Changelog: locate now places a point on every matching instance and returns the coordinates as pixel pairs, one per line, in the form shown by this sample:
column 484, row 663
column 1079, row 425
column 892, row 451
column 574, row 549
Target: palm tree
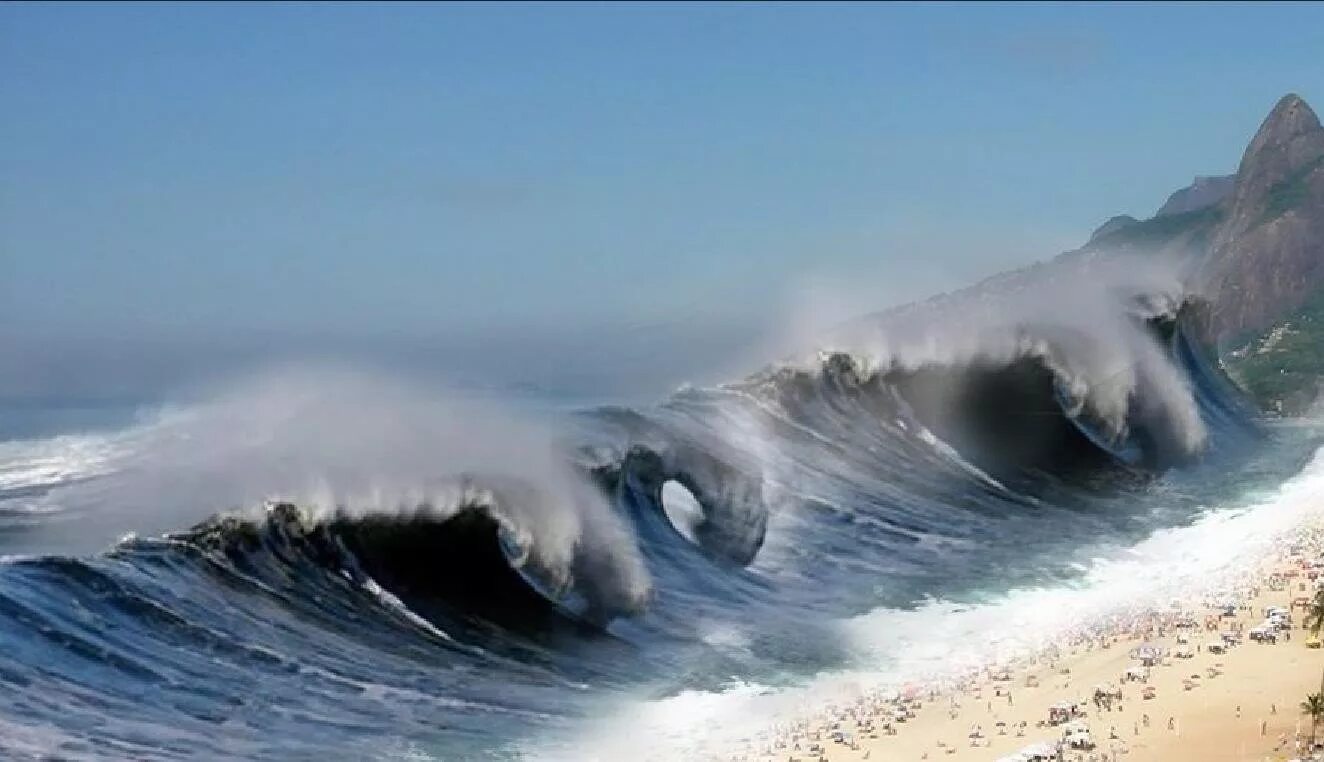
column 1313, row 706
column 1315, row 615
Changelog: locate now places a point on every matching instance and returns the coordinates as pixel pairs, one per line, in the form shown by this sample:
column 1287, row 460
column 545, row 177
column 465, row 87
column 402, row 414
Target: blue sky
column 408, row 169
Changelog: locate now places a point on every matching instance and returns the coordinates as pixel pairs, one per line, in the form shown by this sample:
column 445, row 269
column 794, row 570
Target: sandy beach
column 1241, row 703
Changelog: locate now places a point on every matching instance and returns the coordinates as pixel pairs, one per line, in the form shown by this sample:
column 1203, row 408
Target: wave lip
column 444, row 553
column 942, row 641
column 1053, row 398
column 461, row 563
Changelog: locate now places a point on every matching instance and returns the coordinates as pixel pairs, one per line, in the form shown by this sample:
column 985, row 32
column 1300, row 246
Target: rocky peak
column 1267, row 257
column 1290, row 139
column 1288, row 134
column 1112, row 225
column 1201, row 194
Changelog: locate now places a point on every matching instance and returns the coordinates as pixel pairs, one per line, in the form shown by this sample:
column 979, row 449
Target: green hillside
column 1282, row 367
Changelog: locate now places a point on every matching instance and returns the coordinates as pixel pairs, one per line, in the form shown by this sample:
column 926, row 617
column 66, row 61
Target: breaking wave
column 383, row 562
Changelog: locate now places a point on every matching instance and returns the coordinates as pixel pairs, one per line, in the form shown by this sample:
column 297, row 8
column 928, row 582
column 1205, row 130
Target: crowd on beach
column 1078, row 726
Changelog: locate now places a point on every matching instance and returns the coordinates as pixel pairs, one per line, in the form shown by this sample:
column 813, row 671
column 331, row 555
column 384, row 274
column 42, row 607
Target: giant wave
column 383, row 564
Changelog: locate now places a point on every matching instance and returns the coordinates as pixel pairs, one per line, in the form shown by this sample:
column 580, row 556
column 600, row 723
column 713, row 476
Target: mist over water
column 572, row 365
column 939, row 640
column 439, row 382
column 405, row 567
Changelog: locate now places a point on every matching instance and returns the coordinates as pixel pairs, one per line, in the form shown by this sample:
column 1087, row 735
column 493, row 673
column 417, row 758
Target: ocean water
column 938, row 641
column 322, row 563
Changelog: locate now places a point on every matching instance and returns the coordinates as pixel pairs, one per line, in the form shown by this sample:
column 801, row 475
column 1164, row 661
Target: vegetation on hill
column 1157, row 231
column 1282, row 367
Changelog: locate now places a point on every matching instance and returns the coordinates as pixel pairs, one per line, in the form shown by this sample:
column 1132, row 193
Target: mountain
column 1112, row 225
column 1201, row 194
column 1251, row 244
column 1267, row 258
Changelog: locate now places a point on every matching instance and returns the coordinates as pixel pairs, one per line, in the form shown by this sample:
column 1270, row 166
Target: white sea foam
column 329, row 438
column 942, row 640
column 44, row 463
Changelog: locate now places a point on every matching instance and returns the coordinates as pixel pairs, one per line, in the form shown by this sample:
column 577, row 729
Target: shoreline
column 1238, row 705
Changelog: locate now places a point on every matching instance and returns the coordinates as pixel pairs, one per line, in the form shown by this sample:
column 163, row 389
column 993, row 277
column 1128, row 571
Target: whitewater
column 320, row 560
column 935, row 644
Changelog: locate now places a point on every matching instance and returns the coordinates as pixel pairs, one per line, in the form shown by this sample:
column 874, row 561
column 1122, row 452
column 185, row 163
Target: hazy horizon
column 619, row 198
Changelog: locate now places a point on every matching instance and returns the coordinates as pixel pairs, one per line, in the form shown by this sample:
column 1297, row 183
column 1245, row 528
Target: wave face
column 388, row 575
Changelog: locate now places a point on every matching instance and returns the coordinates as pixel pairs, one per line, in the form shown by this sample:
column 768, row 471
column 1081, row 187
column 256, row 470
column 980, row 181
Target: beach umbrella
column 1147, row 651
column 1039, row 750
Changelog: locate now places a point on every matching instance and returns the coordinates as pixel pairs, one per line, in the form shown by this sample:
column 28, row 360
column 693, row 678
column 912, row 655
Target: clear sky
column 341, row 169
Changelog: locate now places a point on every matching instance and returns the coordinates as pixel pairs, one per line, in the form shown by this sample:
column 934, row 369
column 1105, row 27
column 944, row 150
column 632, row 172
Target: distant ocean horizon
column 328, row 559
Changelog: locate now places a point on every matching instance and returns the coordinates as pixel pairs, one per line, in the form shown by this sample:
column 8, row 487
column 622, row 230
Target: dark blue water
column 513, row 599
